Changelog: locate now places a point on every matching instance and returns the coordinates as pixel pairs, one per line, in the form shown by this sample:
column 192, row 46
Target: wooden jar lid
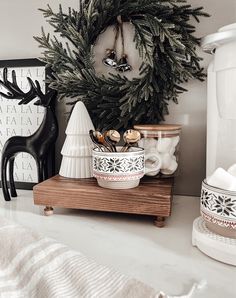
column 158, row 127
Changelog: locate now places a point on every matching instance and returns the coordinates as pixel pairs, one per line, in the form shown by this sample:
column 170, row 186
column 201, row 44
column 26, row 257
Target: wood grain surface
column 158, row 127
column 151, row 197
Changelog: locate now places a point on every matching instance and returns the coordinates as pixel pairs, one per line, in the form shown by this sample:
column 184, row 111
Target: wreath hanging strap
column 165, row 41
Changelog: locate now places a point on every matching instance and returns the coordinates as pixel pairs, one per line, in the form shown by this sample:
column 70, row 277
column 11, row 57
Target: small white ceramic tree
column 77, row 149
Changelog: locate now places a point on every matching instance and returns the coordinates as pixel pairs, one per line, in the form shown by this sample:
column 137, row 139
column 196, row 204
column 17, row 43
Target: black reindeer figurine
column 39, row 144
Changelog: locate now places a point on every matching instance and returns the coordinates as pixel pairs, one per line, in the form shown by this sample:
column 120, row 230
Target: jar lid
column 158, row 127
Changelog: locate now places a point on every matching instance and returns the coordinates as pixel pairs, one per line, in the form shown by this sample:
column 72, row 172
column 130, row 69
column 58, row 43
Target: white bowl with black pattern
column 218, row 206
column 118, row 170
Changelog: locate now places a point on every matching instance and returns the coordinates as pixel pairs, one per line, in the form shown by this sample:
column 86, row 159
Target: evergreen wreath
column 165, row 41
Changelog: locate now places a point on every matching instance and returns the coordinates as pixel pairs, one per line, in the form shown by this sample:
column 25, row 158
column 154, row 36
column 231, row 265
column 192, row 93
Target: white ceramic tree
column 77, row 149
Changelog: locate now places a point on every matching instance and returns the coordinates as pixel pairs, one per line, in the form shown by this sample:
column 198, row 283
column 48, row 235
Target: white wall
column 191, row 110
column 20, row 20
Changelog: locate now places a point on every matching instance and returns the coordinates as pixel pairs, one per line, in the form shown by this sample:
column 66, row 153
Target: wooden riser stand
column 151, row 197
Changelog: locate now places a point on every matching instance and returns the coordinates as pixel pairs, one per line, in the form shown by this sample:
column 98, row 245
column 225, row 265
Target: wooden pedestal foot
column 159, row 222
column 48, row 210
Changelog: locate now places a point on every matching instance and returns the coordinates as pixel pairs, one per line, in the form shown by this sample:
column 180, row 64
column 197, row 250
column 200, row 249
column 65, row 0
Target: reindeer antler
column 14, row 91
column 44, row 99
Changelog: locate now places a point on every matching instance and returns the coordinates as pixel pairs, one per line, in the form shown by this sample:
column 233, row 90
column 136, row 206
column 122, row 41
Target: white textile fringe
column 196, row 287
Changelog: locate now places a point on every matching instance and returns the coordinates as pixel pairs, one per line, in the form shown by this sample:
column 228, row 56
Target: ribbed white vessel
column 76, row 167
column 77, row 148
column 80, row 122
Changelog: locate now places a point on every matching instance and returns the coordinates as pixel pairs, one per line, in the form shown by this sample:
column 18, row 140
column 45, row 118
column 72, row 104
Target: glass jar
column 161, row 143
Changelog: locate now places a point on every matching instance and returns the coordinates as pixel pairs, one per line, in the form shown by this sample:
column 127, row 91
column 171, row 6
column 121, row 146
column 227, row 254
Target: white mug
column 118, row 170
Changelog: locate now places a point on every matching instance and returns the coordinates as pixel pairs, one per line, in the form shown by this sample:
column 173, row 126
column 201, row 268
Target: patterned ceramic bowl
column 218, row 208
column 118, row 170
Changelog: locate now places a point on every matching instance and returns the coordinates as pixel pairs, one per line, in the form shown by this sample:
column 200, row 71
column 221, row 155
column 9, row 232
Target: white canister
column 164, row 140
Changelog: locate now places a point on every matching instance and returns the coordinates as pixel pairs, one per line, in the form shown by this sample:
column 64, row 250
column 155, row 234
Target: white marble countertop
column 163, row 258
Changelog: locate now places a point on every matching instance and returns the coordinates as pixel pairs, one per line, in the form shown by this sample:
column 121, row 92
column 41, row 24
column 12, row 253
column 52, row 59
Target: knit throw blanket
column 32, row 265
